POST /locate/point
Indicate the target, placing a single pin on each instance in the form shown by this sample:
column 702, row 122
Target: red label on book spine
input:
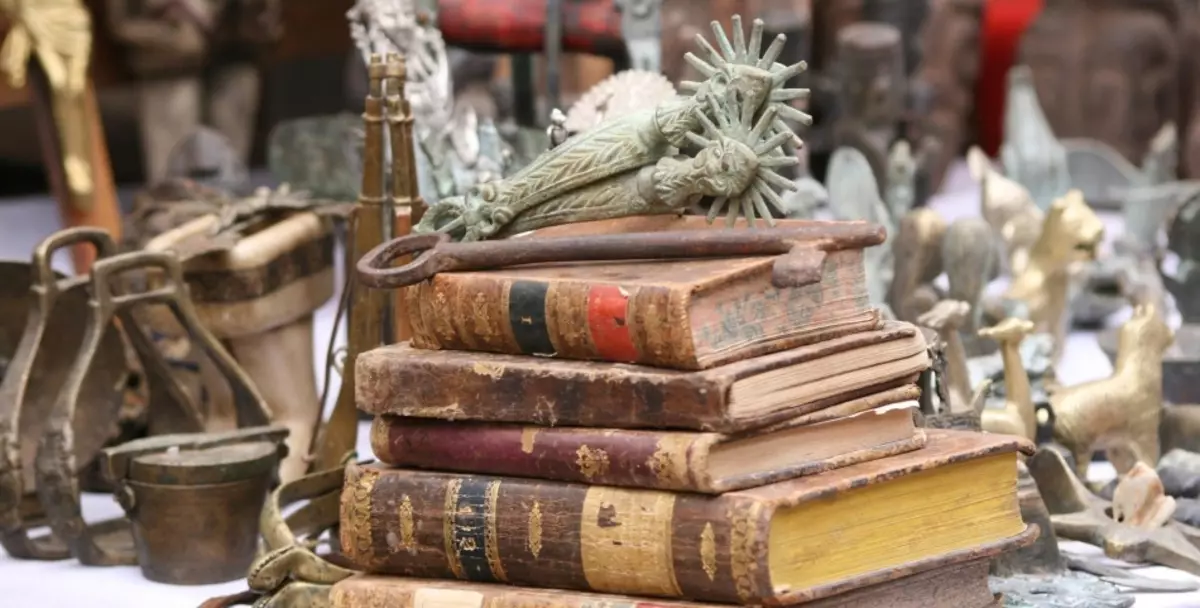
column 607, row 306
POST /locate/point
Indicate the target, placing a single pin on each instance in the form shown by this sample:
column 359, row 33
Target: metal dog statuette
column 731, row 131
column 1125, row 407
column 1071, row 233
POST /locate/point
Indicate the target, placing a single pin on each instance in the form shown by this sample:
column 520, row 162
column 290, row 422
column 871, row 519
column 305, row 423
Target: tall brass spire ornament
column 400, row 135
column 371, row 224
column 58, row 34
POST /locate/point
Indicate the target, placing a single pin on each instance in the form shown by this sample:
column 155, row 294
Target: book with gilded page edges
column 798, row 540
column 881, row 425
column 957, row 581
column 751, row 393
column 678, row 314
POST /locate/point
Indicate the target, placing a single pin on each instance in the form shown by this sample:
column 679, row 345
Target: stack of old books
column 669, row 429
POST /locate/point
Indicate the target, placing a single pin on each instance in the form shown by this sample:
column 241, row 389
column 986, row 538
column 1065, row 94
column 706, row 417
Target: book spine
column 587, row 395
column 556, row 535
column 611, row 457
column 396, row 592
column 564, row 319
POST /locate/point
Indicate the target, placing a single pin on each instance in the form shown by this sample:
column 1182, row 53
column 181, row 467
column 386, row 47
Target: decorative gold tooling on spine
column 667, row 462
column 406, row 525
column 742, row 537
column 592, row 462
column 708, row 551
column 534, row 538
column 449, row 512
column 358, row 533
column 491, row 537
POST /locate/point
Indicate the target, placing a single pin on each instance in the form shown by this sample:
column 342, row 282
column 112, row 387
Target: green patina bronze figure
column 721, row 143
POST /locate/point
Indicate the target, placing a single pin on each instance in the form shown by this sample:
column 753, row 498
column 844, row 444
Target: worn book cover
column 709, row 463
column 796, row 540
column 958, row 581
column 459, row 385
column 678, row 314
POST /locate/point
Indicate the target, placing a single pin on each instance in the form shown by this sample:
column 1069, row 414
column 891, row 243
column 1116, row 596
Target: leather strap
column 289, row 574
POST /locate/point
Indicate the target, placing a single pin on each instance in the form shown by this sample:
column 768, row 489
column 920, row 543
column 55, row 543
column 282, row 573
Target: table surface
column 67, row 584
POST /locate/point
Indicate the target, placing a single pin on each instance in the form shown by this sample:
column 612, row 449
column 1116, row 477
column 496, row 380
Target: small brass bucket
column 195, row 513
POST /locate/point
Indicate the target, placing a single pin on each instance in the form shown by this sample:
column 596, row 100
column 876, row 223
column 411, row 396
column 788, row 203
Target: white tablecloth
column 66, row 584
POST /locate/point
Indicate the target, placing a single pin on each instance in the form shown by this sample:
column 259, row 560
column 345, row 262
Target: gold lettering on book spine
column 492, row 536
column 534, row 538
column 626, row 539
column 708, row 551
column 743, row 534
column 449, row 512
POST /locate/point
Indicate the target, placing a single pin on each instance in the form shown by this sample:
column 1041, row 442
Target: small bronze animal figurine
column 945, row 318
column 1123, row 408
column 971, row 261
column 917, row 249
column 1018, row 417
column 1070, row 233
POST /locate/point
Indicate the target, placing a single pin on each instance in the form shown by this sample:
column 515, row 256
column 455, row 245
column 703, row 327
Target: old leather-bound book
column 751, row 393
column 680, row 314
column 782, row 543
column 960, row 581
column 872, row 427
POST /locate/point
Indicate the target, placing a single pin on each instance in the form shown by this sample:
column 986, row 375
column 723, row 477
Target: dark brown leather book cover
column 692, row 546
column 459, row 385
column 956, row 584
column 676, row 314
column 709, row 463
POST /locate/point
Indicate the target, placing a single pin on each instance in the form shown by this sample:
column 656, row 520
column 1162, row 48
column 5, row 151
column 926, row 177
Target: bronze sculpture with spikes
column 721, row 144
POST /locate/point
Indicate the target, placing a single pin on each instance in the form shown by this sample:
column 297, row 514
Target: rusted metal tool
column 801, row 249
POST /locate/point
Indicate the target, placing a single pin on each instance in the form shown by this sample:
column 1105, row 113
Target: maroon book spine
column 642, row 459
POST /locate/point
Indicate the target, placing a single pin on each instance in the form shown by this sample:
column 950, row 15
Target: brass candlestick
column 370, row 310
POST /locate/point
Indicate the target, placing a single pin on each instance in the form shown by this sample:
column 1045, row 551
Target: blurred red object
column 1004, row 21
